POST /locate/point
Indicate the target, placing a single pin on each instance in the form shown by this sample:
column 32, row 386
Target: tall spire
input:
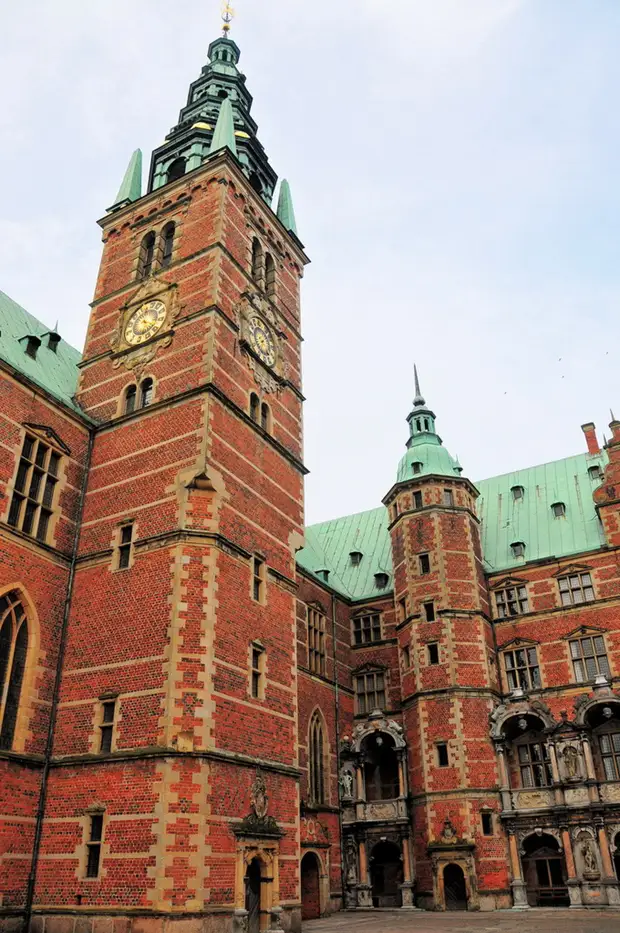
column 286, row 211
column 421, row 419
column 425, row 454
column 131, row 187
column 419, row 399
column 224, row 135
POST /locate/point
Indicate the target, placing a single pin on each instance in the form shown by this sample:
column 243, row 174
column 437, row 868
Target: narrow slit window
column 425, row 564
column 106, row 729
column 316, row 760
column 147, row 254
column 270, row 275
column 254, row 407
column 265, row 416
column 417, row 500
column 448, row 497
column 167, row 245
column 125, row 546
column 433, row 653
column 316, row 641
column 406, row 657
column 257, row 672
column 258, row 262
column 486, row 819
column 443, row 759
column 146, row 393
column 131, row 394
column 258, row 579
column 93, row 846
column 429, row 612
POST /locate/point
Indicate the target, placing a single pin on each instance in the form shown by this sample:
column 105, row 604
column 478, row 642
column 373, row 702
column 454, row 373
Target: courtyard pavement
column 502, row 921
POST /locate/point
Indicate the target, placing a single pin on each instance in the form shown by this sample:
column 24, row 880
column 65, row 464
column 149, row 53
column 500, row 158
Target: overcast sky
column 454, row 166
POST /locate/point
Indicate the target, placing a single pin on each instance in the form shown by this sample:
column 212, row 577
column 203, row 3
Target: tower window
column 270, row 275
column 53, row 339
column 13, row 655
column 416, row 467
column 258, row 579
column 486, row 820
column 254, row 407
column 147, row 253
column 176, row 170
column 265, row 416
column 425, row 564
column 417, row 500
column 518, row 493
column 93, row 846
column 418, row 424
column 316, row 641
column 429, row 612
column 35, row 488
column 518, row 549
column 131, row 394
column 433, row 653
column 125, row 546
column 406, row 657
column 106, row 729
column 426, row 424
column 595, row 472
column 146, row 393
column 558, row 509
column 443, row 759
column 256, row 183
column 448, row 497
column 258, row 262
column 257, row 671
column 356, row 558
column 167, row 245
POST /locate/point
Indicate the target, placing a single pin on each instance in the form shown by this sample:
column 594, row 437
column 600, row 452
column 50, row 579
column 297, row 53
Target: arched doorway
column 455, row 889
column 310, row 887
column 386, row 875
column 544, row 872
column 252, row 895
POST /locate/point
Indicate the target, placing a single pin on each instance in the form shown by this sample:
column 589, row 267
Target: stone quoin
column 215, row 719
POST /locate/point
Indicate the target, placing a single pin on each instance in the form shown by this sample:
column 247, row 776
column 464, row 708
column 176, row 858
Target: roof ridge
column 537, row 466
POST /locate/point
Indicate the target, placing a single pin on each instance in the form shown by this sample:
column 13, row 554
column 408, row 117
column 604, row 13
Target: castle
column 215, row 719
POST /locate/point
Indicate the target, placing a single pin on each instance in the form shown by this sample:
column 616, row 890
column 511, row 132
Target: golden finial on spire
column 228, row 14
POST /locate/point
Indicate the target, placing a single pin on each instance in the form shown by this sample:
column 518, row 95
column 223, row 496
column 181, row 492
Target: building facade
column 211, row 715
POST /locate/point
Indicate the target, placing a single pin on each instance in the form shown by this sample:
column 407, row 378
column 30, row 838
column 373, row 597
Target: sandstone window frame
column 589, row 656
column 424, row 564
column 34, row 506
column 258, row 669
column 433, row 653
column 442, row 751
column 576, row 588
column 522, row 667
column 366, row 628
column 94, row 841
column 370, row 691
column 124, row 546
column 511, row 599
column 316, row 629
column 317, row 760
column 533, row 760
column 107, row 720
column 258, row 579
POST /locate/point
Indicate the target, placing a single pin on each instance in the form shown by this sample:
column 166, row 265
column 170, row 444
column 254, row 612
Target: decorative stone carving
column 576, row 796
column 586, row 849
column 377, row 722
column 257, row 823
column 448, row 835
column 137, row 359
column 570, row 758
column 528, row 800
column 519, row 707
column 382, row 811
column 347, row 782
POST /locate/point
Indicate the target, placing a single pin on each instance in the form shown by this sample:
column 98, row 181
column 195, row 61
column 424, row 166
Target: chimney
column 591, row 439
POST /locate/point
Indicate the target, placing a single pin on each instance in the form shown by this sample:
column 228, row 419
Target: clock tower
column 174, row 791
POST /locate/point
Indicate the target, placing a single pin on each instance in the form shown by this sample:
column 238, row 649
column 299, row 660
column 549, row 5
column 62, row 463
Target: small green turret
column 286, row 211
column 131, row 187
column 425, row 451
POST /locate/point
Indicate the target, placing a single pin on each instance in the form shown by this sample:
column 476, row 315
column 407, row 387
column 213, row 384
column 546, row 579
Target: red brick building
column 211, row 715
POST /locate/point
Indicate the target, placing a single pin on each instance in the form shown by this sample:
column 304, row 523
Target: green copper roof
column 530, row 519
column 432, row 457
column 131, row 187
column 224, row 135
column 56, row 372
column 504, row 521
column 286, row 211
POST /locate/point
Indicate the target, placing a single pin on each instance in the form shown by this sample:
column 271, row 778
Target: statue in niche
column 589, row 858
column 351, row 862
column 571, row 762
column 346, row 783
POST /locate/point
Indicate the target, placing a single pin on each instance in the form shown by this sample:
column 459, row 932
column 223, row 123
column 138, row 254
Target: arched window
column 146, row 392
column 254, row 406
column 255, row 183
column 270, row 275
column 258, row 262
column 176, row 170
column 13, row 651
column 147, row 252
column 167, row 245
column 316, row 759
column 130, row 399
column 265, row 417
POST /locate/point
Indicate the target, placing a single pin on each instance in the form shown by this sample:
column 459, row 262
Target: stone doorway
column 544, row 872
column 252, row 895
column 310, row 887
column 386, row 875
column 455, row 889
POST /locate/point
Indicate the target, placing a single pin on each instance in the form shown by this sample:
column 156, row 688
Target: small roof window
column 558, row 509
column 518, row 549
column 518, row 493
column 595, row 472
column 381, row 580
column 323, row 574
column 416, row 467
column 32, row 345
column 356, row 558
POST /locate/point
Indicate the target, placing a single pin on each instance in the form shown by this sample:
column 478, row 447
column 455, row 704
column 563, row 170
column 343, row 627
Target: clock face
column 145, row 322
column 261, row 341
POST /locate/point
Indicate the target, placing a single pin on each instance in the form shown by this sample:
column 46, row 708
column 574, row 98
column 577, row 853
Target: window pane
column 22, row 475
column 579, row 674
column 44, row 520
column 28, row 447
column 29, row 516
column 53, row 464
column 48, row 493
column 15, row 510
column 41, row 454
column 575, row 649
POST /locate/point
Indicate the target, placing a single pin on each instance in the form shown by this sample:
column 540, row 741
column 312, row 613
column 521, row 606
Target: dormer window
column 53, row 339
column 416, row 467
column 356, row 558
column 518, row 549
column 176, row 170
column 32, row 346
column 595, row 472
column 558, row 509
column 323, row 574
column 381, row 580
column 518, row 492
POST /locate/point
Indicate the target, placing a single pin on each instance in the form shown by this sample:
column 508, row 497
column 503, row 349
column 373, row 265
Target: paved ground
column 504, row 921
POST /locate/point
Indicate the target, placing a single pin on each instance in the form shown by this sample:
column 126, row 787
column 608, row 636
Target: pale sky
column 454, row 166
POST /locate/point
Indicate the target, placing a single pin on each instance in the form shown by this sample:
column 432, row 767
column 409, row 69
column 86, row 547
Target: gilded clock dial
column 261, row 341
column 145, row 322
